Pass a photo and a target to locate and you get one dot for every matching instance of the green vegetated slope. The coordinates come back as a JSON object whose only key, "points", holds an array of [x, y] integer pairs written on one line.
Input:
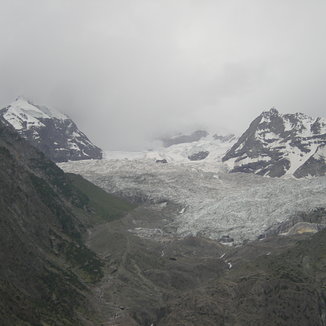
{"points": [[105, 207], [45, 267]]}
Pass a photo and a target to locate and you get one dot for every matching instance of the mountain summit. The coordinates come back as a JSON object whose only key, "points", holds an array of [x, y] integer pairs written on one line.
{"points": [[278, 144], [52, 132]]}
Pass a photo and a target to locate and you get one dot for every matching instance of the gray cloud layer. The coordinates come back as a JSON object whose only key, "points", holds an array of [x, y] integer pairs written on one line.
{"points": [[127, 70]]}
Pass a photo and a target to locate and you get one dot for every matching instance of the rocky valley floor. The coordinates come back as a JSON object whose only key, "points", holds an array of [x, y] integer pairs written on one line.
{"points": [[166, 280]]}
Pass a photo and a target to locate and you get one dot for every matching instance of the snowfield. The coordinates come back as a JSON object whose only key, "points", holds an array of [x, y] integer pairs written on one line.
{"points": [[179, 153], [211, 201]]}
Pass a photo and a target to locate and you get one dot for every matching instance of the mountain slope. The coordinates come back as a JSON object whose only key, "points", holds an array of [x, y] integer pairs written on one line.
{"points": [[198, 146], [279, 281], [186, 149], [52, 132], [280, 144], [44, 263], [105, 207]]}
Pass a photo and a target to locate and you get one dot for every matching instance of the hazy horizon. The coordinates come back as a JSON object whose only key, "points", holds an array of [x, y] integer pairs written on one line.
{"points": [[127, 71]]}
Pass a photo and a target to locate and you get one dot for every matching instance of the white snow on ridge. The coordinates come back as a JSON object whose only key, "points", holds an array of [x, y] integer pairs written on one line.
{"points": [[279, 144], [21, 112], [179, 153], [18, 119], [239, 205], [293, 154]]}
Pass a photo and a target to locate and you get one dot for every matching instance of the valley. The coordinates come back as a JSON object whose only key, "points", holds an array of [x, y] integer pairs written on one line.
{"points": [[162, 163], [206, 247], [164, 237], [193, 280], [165, 266]]}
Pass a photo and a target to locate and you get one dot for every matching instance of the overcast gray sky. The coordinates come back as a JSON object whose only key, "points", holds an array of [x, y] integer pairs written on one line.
{"points": [[128, 70]]}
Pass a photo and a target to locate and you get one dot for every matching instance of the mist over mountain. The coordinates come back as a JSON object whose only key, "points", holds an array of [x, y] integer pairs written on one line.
{"points": [[128, 71], [275, 144]]}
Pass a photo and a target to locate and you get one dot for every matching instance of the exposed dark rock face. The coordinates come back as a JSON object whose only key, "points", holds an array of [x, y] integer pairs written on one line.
{"points": [[53, 133], [161, 161], [224, 139], [277, 144], [180, 139], [198, 156], [315, 165]]}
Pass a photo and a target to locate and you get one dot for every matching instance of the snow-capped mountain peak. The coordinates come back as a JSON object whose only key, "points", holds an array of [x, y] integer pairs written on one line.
{"points": [[24, 110], [278, 144], [51, 131]]}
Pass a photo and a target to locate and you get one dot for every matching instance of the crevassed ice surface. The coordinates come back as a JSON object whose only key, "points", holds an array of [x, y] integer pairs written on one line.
{"points": [[212, 202]]}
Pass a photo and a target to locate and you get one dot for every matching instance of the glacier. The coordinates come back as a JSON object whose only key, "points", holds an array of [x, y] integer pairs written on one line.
{"points": [[211, 202]]}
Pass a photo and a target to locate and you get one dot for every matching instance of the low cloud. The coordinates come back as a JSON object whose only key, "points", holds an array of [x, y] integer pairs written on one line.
{"points": [[127, 71]]}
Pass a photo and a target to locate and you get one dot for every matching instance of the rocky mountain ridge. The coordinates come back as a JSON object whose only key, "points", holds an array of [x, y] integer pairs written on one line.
{"points": [[278, 144], [52, 132]]}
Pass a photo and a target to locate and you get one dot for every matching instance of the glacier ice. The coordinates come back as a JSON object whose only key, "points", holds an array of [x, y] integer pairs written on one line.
{"points": [[213, 202]]}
